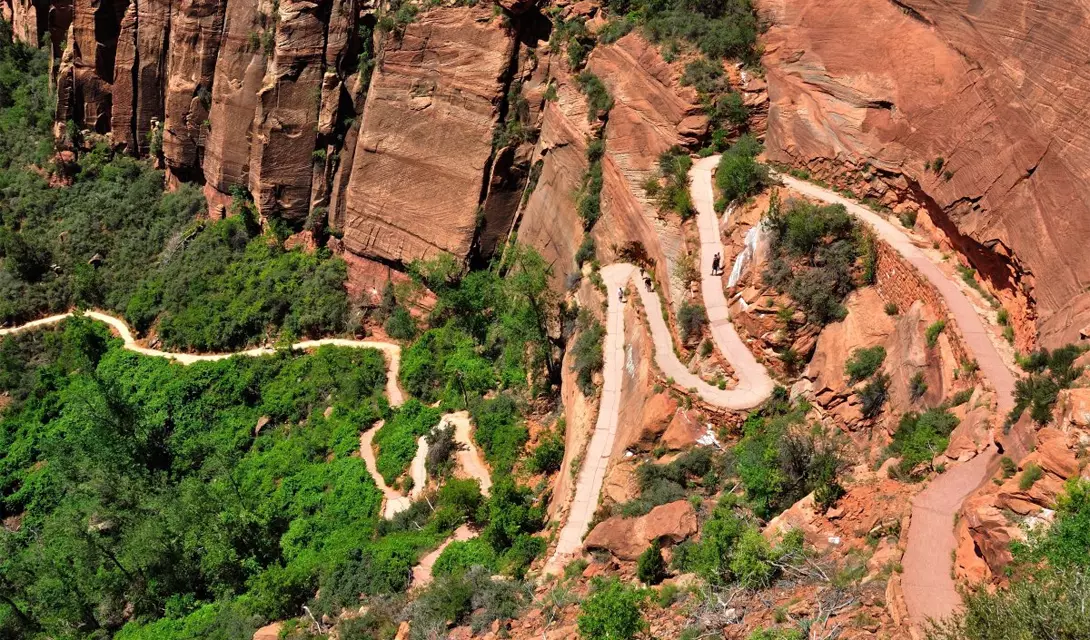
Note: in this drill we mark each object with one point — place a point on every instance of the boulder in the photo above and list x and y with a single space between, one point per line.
268 632
627 538
684 430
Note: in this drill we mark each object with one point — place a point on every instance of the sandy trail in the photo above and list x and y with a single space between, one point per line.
469 459
394 501
422 571
930 592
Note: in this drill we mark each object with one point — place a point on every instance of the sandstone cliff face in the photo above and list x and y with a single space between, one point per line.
989 87
425 144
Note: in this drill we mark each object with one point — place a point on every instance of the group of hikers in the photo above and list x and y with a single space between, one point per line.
716 270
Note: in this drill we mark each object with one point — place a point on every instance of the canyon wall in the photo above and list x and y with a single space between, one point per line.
971 111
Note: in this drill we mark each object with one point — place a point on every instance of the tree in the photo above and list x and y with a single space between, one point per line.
651 567
612 612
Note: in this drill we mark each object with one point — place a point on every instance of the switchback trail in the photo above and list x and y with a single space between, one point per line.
753 387
928 586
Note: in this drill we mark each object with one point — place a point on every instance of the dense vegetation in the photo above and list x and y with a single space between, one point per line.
920 437
1049 373
739 175
719 29
142 487
115 239
814 250
1050 583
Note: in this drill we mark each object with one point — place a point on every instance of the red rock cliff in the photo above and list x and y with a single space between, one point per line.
995 89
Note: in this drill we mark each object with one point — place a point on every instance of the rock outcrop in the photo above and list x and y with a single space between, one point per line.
971 113
626 538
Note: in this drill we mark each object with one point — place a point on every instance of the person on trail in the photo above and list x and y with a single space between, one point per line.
620 293
647 281
715 264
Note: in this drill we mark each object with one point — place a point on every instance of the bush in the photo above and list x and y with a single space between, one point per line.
1009 467
461 556
776 634
933 331
1030 475
586 252
612 612
739 175
650 566
501 432
587 356
891 309
589 203
691 320
397 439
917 386
873 395
863 363
548 455
921 437
674 166
400 325
599 101
908 218
1003 317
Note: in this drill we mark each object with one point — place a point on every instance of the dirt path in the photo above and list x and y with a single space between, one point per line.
928 586
469 459
389 349
394 502
422 571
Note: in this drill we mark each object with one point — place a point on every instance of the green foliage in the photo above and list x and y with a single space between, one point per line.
397 439
691 320
144 483
739 175
920 437
908 218
650 566
675 196
863 363
773 633
599 102
512 516
891 309
933 331
226 288
779 460
400 325
470 597
1008 466
663 483
917 386
612 612
823 243
501 432
548 455
873 395
1030 475
1050 371
720 29
589 203
463 555
587 356
586 252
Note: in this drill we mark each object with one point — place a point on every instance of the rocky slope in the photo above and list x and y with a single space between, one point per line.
968 111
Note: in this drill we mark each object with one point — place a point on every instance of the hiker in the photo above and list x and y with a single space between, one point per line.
715 265
620 293
647 281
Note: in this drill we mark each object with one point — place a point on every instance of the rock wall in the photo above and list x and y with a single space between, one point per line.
995 89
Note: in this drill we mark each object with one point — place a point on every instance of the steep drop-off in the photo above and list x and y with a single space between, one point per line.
970 111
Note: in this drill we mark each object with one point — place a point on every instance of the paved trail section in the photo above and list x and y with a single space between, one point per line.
754 384
929 589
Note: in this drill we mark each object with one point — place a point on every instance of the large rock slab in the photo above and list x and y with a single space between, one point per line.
425 142
627 538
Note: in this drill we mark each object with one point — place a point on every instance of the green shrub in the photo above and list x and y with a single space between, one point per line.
921 437
400 325
599 101
873 395
1009 467
612 612
587 250
674 166
548 455
908 218
464 555
891 309
773 633
1003 317
650 566
691 320
397 439
933 331
587 356
917 386
501 433
739 175
863 363
1030 475
1008 334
